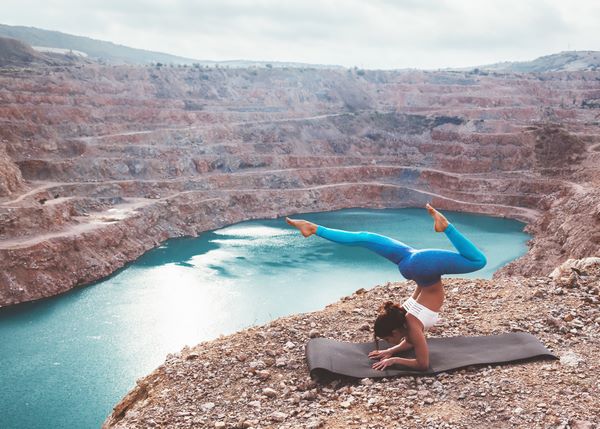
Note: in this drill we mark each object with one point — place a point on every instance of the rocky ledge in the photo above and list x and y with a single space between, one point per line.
258 378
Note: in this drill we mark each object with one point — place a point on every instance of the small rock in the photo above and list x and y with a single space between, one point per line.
366 381
257 364
365 327
573 280
289 345
570 359
278 416
553 321
309 395
313 333
345 404
581 424
270 393
423 393
219 425
263 375
307 384
206 407
314 424
192 355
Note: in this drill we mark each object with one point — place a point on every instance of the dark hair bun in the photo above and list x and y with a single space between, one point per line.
389 307
391 316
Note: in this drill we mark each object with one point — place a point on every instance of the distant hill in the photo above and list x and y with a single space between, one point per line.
16 53
118 54
49 42
563 61
95 49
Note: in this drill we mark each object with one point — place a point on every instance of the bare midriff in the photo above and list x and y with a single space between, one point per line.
432 296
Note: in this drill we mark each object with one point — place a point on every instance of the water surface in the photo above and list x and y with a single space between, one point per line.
66 361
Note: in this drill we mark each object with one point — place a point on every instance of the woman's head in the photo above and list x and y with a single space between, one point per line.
390 323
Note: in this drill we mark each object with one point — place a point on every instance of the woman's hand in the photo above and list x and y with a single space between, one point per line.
381 354
384 363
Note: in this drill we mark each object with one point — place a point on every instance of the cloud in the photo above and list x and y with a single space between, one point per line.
374 34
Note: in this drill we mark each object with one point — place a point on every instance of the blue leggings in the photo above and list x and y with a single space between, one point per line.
425 266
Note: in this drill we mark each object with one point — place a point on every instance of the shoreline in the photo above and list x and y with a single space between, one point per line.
99 253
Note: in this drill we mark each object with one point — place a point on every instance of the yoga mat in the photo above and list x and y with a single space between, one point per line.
326 357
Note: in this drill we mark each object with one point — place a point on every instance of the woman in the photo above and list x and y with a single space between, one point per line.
405 325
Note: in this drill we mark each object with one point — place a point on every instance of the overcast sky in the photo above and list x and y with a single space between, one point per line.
363 33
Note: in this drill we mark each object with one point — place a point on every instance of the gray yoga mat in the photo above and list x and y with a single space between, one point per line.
328 357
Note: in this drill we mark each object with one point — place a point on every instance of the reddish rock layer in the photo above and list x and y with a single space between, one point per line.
99 164
10 175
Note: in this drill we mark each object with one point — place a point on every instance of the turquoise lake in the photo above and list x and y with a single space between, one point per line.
66 361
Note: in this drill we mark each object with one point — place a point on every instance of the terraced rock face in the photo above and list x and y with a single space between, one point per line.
103 163
10 175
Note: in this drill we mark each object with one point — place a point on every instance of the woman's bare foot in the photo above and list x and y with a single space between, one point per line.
306 228
440 223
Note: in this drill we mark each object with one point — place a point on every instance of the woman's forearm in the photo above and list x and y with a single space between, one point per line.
411 363
404 345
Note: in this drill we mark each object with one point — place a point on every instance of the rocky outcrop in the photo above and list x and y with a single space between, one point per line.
10 175
141 154
578 267
259 378
569 228
16 53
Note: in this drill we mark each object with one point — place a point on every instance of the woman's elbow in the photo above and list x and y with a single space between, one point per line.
422 365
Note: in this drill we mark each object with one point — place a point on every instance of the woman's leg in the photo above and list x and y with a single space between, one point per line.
466 248
428 265
387 247
469 257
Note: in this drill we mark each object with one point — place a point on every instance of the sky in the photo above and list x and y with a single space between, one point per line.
375 34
